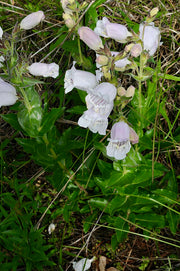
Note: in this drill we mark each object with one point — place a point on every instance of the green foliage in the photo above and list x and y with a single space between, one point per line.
21 245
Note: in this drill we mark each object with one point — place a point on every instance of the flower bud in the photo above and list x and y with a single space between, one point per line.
128 47
101 60
154 12
136 50
32 20
68 6
69 22
121 91
43 69
130 92
90 38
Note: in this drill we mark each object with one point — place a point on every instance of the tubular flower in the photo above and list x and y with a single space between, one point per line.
7 94
101 99
94 121
150 35
43 69
32 20
119 143
79 79
114 31
91 39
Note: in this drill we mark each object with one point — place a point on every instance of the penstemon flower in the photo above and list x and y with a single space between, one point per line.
119 143
94 121
43 69
32 20
89 37
114 31
79 79
101 99
7 94
150 35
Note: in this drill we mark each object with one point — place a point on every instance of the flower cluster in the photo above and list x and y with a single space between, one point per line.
103 88
99 104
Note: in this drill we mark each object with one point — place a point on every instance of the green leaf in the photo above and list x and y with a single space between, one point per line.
173 220
120 226
150 220
12 120
169 77
49 119
98 203
30 114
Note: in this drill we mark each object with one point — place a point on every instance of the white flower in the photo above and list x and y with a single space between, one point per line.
150 35
89 37
99 105
101 99
7 94
43 69
51 228
1 33
82 265
115 31
119 143
79 79
32 20
94 121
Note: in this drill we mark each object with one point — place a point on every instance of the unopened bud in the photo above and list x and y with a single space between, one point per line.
129 47
69 22
90 38
136 50
130 91
154 12
121 91
102 60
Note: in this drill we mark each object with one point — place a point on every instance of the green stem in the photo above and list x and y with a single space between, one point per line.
26 101
79 48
